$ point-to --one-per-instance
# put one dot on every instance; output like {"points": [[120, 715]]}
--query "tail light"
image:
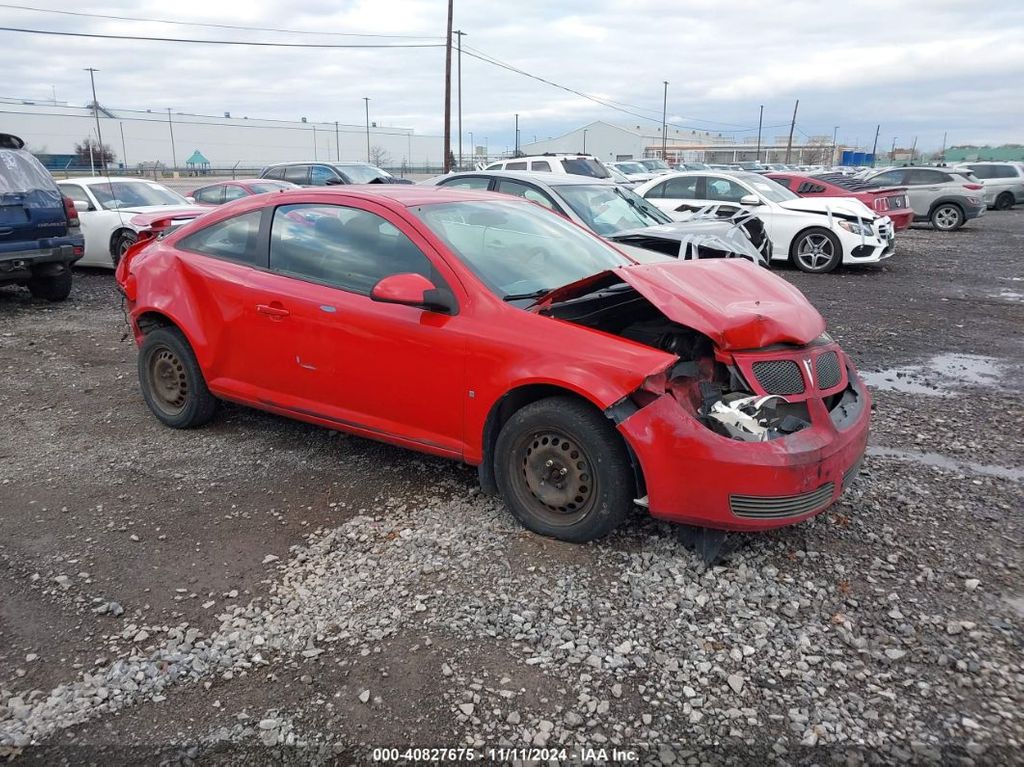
{"points": [[881, 204], [973, 187], [71, 211]]}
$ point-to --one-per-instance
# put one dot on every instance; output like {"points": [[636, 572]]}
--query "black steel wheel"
{"points": [[171, 381]]}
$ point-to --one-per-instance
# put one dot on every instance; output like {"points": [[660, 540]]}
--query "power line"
{"points": [[212, 25], [219, 42]]}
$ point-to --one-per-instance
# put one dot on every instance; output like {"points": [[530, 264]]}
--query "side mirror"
{"points": [[410, 289], [334, 181], [750, 199], [191, 199], [82, 206]]}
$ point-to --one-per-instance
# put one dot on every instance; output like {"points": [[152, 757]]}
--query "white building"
{"points": [[145, 137], [609, 142]]}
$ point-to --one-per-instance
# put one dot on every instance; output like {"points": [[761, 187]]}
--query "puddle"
{"points": [[945, 462], [942, 374]]}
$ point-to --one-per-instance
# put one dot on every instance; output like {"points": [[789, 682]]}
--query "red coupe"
{"points": [[891, 201], [220, 192], [487, 329]]}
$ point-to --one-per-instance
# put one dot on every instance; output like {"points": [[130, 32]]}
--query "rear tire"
{"points": [[563, 470], [947, 217], [121, 244], [52, 287], [1004, 201], [172, 382], [816, 251]]}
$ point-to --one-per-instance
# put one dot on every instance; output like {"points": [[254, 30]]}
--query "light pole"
{"points": [[170, 127], [124, 152], [517, 135], [96, 113], [337, 141], [664, 123], [584, 141], [460, 33], [472, 146], [835, 133], [760, 118], [367, 100], [892, 152]]}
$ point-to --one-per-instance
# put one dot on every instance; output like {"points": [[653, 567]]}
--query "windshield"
{"points": [[770, 190], [583, 166], [653, 163], [630, 167], [519, 251], [362, 174], [610, 209], [134, 194]]}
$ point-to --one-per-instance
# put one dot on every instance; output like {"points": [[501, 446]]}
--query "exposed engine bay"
{"points": [[713, 390]]}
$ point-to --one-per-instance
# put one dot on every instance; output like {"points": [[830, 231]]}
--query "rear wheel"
{"points": [[947, 217], [171, 381], [122, 242], [816, 250], [52, 287], [1004, 201], [563, 470]]}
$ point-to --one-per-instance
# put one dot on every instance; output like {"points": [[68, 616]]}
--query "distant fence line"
{"points": [[164, 172]]}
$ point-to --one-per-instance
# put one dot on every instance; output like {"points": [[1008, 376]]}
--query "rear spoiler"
{"points": [[150, 226]]}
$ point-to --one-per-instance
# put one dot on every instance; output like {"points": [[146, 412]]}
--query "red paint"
{"points": [[428, 380], [879, 200]]}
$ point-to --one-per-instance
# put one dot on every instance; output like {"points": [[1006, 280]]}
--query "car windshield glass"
{"points": [[610, 209], [582, 166], [518, 249], [134, 194], [653, 163], [21, 172], [631, 167], [270, 186], [363, 174], [770, 190]]}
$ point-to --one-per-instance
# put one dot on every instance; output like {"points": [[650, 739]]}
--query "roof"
{"points": [[540, 177], [402, 195], [90, 180], [197, 158]]}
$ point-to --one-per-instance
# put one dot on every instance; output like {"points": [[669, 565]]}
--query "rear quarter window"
{"points": [[235, 238], [21, 172]]}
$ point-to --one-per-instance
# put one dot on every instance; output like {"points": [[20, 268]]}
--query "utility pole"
{"points": [[170, 127], [835, 134], [913, 150], [892, 152], [874, 147], [124, 152], [367, 100], [760, 118], [337, 141], [517, 135], [447, 166], [472, 147], [943, 146], [460, 33], [96, 113], [314, 143], [792, 125], [664, 123], [584, 141]]}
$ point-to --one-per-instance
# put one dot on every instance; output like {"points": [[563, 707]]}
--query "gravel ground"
{"points": [[263, 591]]}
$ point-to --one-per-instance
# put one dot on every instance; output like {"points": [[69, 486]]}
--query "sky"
{"points": [[919, 68]]}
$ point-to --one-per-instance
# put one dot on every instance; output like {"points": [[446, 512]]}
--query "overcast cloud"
{"points": [[918, 68]]}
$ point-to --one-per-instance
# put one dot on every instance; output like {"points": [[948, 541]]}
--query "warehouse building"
{"points": [[148, 138], [610, 142]]}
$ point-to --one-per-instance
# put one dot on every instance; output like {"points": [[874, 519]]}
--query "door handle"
{"points": [[275, 311]]}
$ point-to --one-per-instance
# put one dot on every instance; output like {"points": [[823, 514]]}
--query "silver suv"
{"points": [[947, 197], [1004, 182], [572, 164]]}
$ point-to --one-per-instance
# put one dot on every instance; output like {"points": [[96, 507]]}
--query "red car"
{"points": [[892, 201], [487, 329], [221, 192]]}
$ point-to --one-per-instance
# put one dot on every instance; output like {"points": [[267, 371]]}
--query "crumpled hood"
{"points": [[735, 303], [843, 206]]}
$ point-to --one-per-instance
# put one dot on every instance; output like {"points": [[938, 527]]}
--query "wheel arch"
{"points": [[151, 319], [796, 237], [517, 398], [116, 235], [947, 201]]}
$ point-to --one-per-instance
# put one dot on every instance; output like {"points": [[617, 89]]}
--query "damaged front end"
{"points": [[731, 438]]}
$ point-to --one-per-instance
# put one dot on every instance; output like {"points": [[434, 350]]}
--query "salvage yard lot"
{"points": [[261, 581]]}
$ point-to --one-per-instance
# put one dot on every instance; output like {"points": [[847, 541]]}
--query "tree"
{"points": [[89, 150], [379, 156]]}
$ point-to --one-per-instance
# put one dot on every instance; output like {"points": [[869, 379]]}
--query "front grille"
{"points": [[851, 474], [780, 506], [829, 374], [779, 376]]}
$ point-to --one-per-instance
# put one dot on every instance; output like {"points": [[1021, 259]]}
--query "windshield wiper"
{"points": [[524, 296]]}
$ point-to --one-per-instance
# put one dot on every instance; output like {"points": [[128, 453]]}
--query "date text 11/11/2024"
{"points": [[585, 755]]}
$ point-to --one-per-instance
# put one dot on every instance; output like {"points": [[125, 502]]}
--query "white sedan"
{"points": [[106, 206], [815, 234]]}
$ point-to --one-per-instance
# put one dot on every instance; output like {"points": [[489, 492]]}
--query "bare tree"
{"points": [[90, 149], [379, 156]]}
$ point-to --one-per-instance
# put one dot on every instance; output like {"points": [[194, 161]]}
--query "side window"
{"points": [[525, 190], [473, 182], [76, 193], [234, 192], [922, 177], [724, 190], [983, 171], [494, 166], [211, 195], [683, 188], [540, 165], [342, 247], [656, 192], [1005, 171], [320, 174], [786, 182], [277, 173], [809, 187], [235, 238], [889, 178], [515, 166], [297, 174]]}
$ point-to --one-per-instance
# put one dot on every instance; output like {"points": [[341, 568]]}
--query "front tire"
{"points": [[816, 251], [947, 217], [1004, 201], [52, 287], [121, 244], [563, 471], [171, 381]]}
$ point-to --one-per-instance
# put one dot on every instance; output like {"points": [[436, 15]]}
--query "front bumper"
{"points": [[869, 250], [697, 477]]}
